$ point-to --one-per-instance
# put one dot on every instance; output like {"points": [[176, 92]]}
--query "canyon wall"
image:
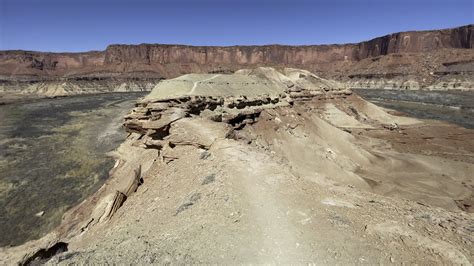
{"points": [[416, 59]]}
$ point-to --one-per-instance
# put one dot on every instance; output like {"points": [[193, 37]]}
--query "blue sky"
{"points": [[83, 25]]}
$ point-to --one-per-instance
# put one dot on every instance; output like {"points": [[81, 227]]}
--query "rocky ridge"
{"points": [[271, 166]]}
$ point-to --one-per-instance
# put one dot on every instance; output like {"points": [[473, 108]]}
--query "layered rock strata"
{"points": [[438, 59]]}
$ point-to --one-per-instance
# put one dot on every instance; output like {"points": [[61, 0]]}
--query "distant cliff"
{"points": [[398, 57], [405, 42]]}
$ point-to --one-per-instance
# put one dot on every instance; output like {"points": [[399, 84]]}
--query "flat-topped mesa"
{"points": [[401, 42], [414, 59], [236, 99], [145, 58]]}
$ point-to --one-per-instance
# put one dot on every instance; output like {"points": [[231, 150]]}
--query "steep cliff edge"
{"points": [[415, 59]]}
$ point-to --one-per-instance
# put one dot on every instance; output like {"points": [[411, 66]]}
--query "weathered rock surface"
{"points": [[438, 59]]}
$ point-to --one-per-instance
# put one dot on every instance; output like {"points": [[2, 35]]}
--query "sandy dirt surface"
{"points": [[240, 203], [237, 203]]}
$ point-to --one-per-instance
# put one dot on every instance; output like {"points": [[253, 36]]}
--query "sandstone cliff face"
{"points": [[39, 65], [416, 42], [405, 42], [346, 62]]}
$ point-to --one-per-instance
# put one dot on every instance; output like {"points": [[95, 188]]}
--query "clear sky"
{"points": [[83, 25]]}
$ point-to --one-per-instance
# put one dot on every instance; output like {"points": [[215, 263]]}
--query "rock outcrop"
{"points": [[236, 100], [438, 59]]}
